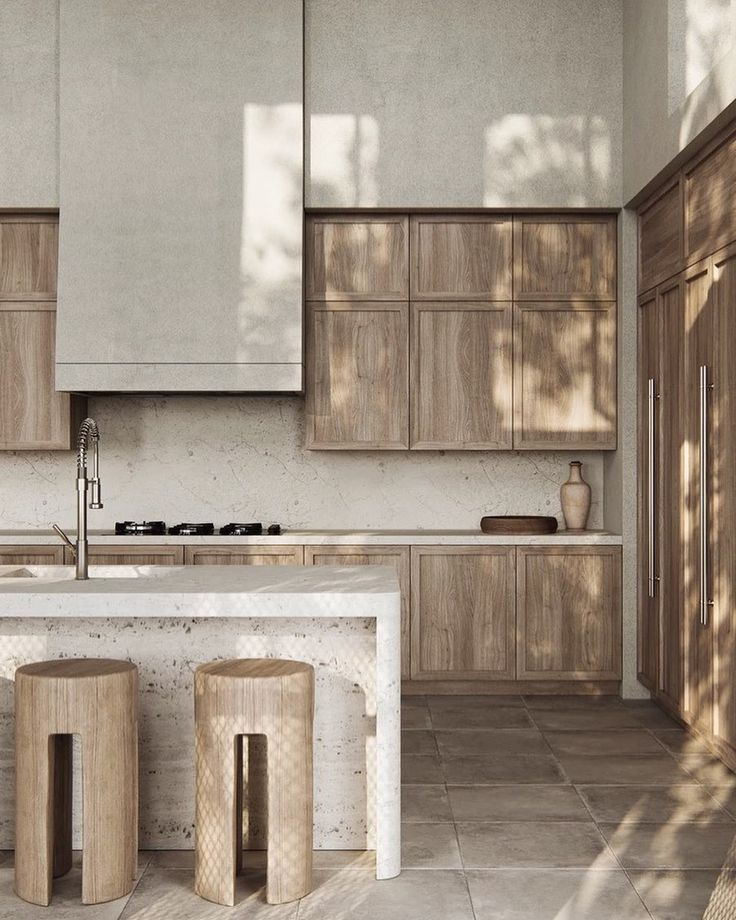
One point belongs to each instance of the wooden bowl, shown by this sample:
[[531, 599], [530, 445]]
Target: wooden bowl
[[518, 524]]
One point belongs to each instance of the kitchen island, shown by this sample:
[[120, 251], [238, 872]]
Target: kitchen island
[[345, 621]]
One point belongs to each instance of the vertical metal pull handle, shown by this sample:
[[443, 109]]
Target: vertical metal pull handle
[[705, 600], [651, 511]]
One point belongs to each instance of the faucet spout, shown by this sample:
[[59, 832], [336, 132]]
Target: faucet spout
[[88, 443]]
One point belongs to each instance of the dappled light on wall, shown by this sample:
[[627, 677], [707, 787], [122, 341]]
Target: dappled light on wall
[[344, 153], [699, 34]]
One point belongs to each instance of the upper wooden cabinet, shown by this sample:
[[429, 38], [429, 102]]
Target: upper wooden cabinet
[[710, 216], [564, 256], [565, 375], [461, 380], [246, 554], [461, 257], [568, 612], [358, 375], [462, 612], [357, 257], [661, 227], [33, 416]]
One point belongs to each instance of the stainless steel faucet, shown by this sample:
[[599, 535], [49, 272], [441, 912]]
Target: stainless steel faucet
[[88, 442]]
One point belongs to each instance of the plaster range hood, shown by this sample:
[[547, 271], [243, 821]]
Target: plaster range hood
[[181, 196]]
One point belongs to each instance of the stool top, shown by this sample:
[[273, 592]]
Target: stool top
[[75, 668], [255, 667]]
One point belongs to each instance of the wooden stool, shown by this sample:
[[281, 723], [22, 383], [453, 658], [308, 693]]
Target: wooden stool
[[258, 696], [97, 699]]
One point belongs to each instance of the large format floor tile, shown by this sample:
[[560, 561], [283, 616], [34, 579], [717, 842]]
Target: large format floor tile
[[414, 712], [475, 712], [429, 846], [602, 718], [707, 769], [684, 804], [687, 894], [534, 844], [634, 741], [414, 895], [421, 768], [650, 715], [643, 769], [553, 894], [418, 741], [425, 804], [672, 846], [680, 741], [491, 743], [511, 768], [517, 803], [572, 701]]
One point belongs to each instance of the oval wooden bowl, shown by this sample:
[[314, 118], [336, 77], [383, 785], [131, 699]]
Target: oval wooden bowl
[[518, 524]]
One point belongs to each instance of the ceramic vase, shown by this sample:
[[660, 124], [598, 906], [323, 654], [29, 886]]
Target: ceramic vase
[[575, 498]]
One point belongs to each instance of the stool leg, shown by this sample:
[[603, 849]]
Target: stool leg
[[34, 770], [218, 839], [109, 784], [62, 751], [289, 755]]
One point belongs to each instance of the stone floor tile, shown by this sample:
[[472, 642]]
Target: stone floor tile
[[417, 741], [533, 844], [601, 718], [683, 804], [687, 894], [490, 742], [643, 769], [425, 805], [672, 846], [634, 741], [421, 768], [518, 802], [414, 713], [511, 768], [680, 741], [429, 846]]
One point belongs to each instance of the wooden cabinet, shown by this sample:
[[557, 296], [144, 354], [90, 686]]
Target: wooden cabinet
[[135, 554], [710, 180], [32, 555], [461, 379], [661, 229], [202, 554], [462, 612], [357, 257], [565, 375], [568, 613], [358, 375], [564, 256], [33, 416], [397, 557], [461, 257]]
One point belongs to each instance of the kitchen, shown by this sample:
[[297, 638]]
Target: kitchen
[[336, 281]]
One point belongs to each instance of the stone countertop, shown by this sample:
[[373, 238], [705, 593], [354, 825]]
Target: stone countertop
[[331, 537], [200, 591]]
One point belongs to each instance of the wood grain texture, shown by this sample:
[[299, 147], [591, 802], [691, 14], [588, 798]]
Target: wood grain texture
[[511, 687], [357, 376], [461, 257], [565, 375], [559, 256], [201, 554], [661, 236], [397, 557], [32, 555], [96, 699], [132, 554], [461, 376], [462, 612], [357, 257], [267, 697], [568, 613], [28, 257], [710, 180]]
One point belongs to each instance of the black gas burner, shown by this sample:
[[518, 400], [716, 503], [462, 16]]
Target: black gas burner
[[251, 529], [192, 530], [147, 528]]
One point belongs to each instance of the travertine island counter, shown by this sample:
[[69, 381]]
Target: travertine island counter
[[343, 620]]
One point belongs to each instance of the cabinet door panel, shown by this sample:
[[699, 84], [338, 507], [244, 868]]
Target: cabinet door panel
[[396, 556], [244, 555], [569, 613], [462, 613], [28, 253], [357, 258], [461, 375], [564, 256], [358, 376], [565, 375], [460, 258], [710, 221], [139, 554], [661, 225], [32, 555]]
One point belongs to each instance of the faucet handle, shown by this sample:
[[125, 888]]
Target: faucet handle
[[64, 537]]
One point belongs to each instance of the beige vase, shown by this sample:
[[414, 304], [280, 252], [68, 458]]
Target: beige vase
[[575, 498]]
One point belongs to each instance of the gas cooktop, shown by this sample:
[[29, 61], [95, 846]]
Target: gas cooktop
[[159, 529]]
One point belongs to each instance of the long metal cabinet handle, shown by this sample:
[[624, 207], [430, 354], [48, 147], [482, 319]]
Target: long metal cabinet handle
[[651, 512], [705, 600]]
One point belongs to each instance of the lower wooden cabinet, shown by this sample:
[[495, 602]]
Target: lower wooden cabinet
[[136, 554], [396, 556], [568, 613], [32, 555], [462, 612], [244, 555]]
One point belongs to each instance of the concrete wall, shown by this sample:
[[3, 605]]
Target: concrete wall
[[679, 65]]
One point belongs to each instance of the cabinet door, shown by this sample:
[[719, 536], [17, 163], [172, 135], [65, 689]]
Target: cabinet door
[[395, 556], [28, 253], [569, 613], [32, 555], [565, 375], [661, 228], [138, 554], [461, 381], [710, 181], [357, 257], [460, 257], [243, 555], [648, 366], [462, 612], [564, 256], [358, 376]]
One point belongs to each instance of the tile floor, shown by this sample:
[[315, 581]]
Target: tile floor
[[514, 808]]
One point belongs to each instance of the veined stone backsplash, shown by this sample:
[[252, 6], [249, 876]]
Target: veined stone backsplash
[[242, 458]]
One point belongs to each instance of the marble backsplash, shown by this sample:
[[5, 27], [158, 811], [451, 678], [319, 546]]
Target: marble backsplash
[[242, 458]]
